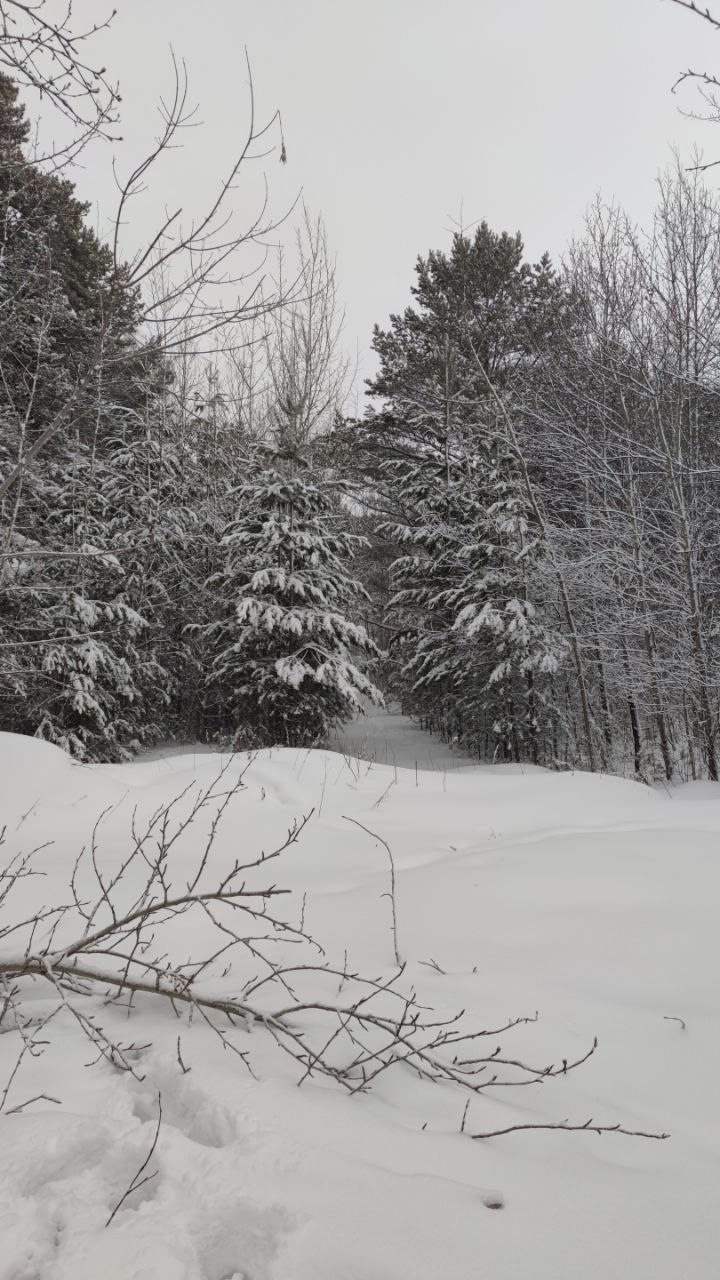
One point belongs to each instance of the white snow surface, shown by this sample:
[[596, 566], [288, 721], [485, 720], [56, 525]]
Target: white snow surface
[[389, 738], [592, 900]]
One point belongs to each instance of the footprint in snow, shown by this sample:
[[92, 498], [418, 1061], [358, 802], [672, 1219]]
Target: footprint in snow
[[185, 1107], [67, 1211]]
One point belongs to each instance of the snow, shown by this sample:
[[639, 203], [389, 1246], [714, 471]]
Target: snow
[[592, 900], [382, 735]]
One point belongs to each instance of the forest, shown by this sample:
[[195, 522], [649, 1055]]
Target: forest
[[359, 719], [516, 540]]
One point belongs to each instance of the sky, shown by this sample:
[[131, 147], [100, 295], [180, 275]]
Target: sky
[[403, 118]]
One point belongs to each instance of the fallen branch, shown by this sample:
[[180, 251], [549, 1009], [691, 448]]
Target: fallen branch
[[107, 942], [588, 1127]]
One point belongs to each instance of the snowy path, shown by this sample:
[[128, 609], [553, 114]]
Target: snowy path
[[392, 739], [379, 735]]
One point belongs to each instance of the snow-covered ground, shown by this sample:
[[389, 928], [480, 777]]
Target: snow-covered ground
[[376, 734], [389, 738], [591, 900]]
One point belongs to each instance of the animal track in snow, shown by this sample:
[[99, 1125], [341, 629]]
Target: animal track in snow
[[185, 1106], [201, 1216]]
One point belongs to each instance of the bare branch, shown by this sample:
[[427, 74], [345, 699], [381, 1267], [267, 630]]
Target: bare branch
[[392, 895], [589, 1127]]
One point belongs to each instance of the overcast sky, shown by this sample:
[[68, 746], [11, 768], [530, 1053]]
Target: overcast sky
[[398, 114]]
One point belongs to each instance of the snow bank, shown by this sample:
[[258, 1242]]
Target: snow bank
[[591, 900]]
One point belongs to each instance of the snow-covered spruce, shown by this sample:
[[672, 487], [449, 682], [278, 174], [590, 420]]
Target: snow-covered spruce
[[284, 648], [477, 654]]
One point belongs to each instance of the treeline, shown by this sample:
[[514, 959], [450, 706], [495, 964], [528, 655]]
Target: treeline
[[546, 461], [531, 502], [173, 550]]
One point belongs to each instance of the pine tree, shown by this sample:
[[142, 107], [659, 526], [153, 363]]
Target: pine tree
[[74, 665], [470, 636]]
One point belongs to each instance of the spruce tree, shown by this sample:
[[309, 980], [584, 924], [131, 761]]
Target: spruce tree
[[285, 648], [79, 663], [510, 650]]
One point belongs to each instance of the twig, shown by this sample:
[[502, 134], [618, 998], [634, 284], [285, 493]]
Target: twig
[[39, 1097], [464, 1116], [138, 1180], [181, 1064], [699, 11], [589, 1126], [391, 895]]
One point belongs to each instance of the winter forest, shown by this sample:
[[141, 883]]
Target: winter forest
[[517, 539], [359, 710]]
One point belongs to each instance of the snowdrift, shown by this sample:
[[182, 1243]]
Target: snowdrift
[[592, 901]]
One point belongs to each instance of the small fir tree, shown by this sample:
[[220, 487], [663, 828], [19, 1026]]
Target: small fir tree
[[285, 668]]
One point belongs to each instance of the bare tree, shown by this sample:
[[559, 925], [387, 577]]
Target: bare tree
[[706, 82], [308, 373], [622, 431], [45, 50], [199, 276]]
